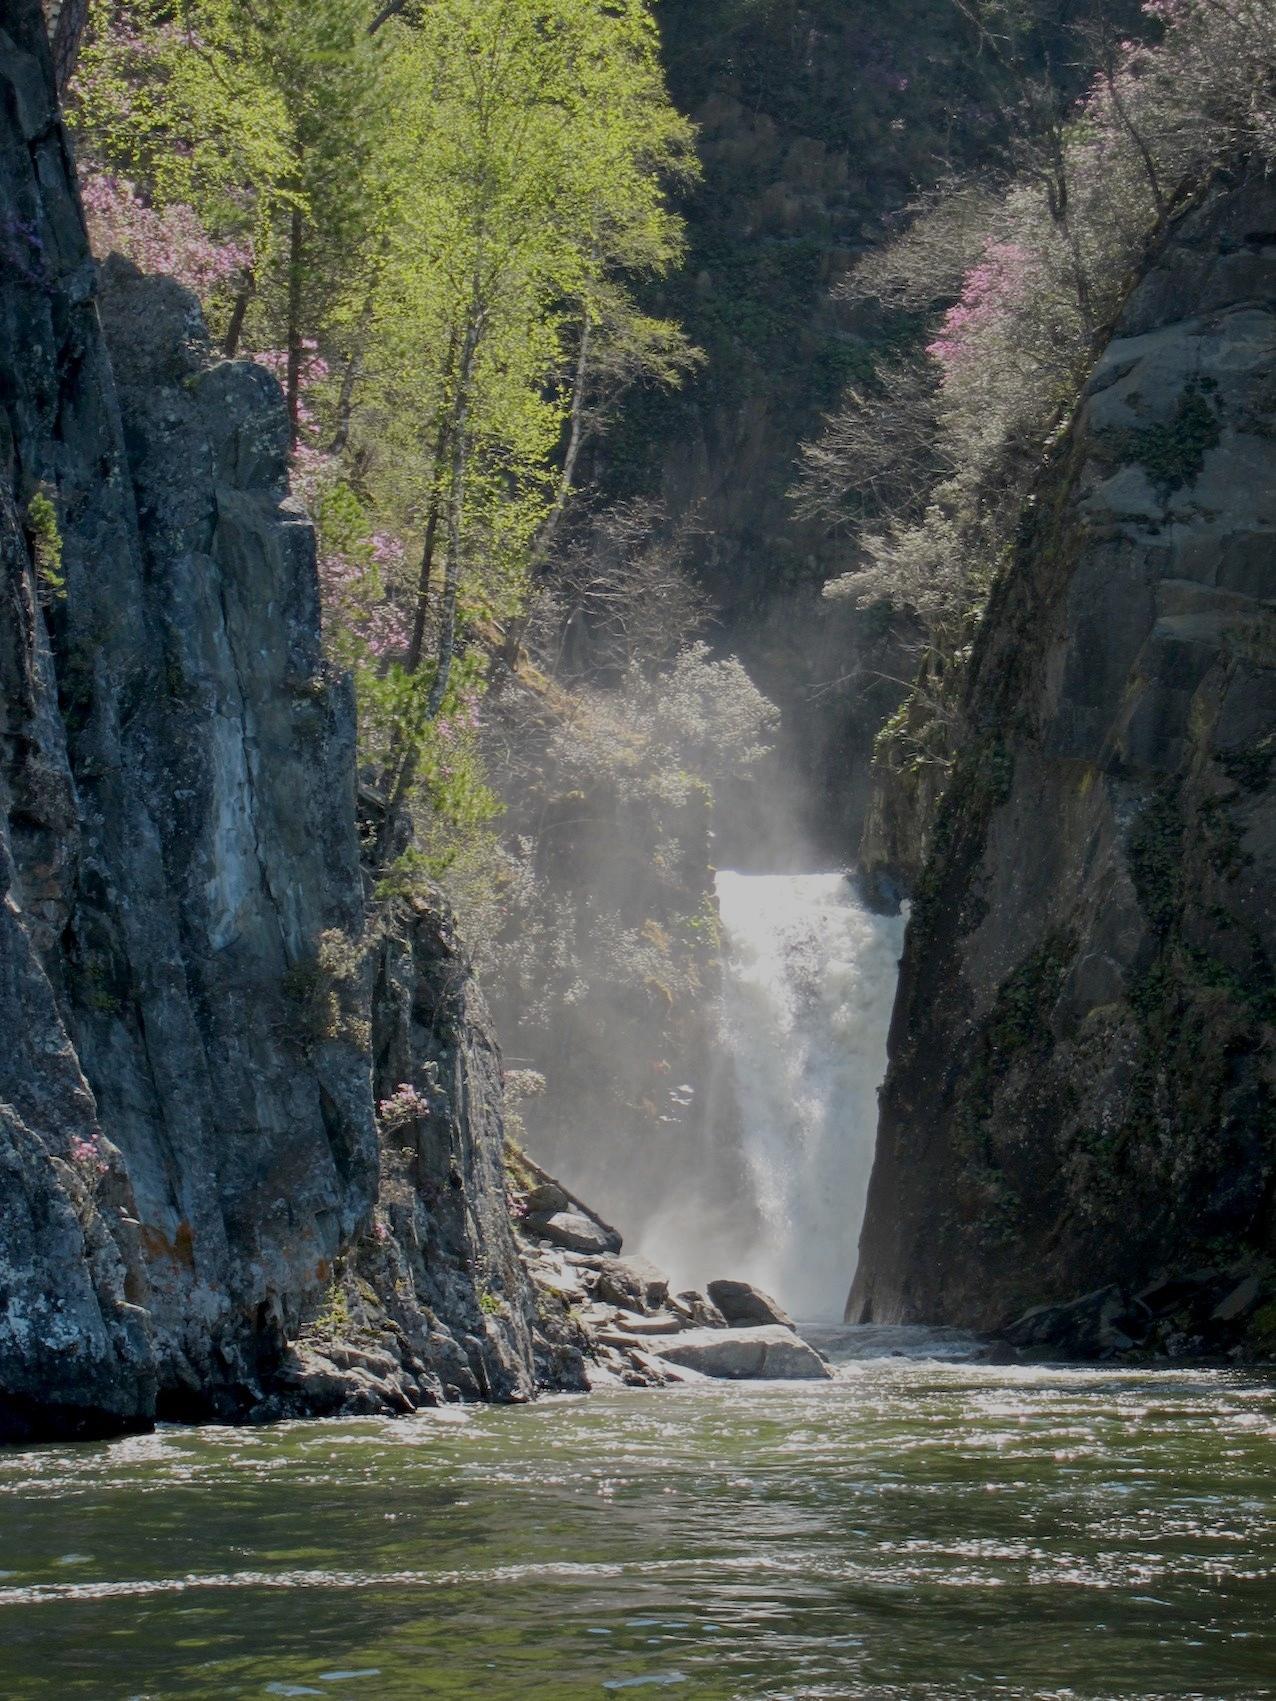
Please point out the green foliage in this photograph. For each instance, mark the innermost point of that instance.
(45, 538)
(1250, 766)
(1020, 1016)
(443, 220)
(178, 95)
(333, 1321)
(1156, 859)
(321, 993)
(933, 464)
(1172, 454)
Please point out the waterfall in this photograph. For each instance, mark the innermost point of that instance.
(809, 980)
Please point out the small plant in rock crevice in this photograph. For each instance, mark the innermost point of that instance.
(45, 537)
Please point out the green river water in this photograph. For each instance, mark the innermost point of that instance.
(919, 1527)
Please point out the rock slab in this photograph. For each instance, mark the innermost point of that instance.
(771, 1354)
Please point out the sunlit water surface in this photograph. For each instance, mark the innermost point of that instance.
(919, 1527)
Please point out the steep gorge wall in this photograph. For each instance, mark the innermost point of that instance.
(196, 1017)
(1081, 1078)
(819, 122)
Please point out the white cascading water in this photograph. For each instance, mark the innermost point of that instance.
(809, 980)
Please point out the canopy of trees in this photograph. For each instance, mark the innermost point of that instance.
(428, 218)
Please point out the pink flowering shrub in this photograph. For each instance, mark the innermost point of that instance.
(404, 1106)
(172, 240)
(314, 370)
(990, 292)
(358, 573)
(88, 1157)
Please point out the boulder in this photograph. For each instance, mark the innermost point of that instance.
(576, 1231)
(771, 1354)
(1098, 1325)
(544, 1200)
(695, 1308)
(747, 1307)
(627, 1327)
(632, 1283)
(1242, 1299)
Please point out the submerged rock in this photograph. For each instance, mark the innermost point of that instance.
(1098, 1325)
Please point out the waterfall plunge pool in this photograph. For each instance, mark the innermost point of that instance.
(918, 1528)
(921, 1527)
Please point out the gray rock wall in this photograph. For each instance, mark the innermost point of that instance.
(1081, 1079)
(198, 1009)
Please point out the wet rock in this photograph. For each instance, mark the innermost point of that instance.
(195, 1026)
(1242, 1299)
(1087, 969)
(662, 1371)
(1098, 1325)
(1000, 1352)
(747, 1307)
(773, 1353)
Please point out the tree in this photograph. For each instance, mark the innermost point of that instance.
(549, 141)
(436, 214)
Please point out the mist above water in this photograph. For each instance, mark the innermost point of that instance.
(809, 979)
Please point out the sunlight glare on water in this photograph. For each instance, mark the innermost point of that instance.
(916, 1528)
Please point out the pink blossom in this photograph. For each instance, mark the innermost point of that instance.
(172, 240)
(87, 1154)
(404, 1105)
(387, 550)
(989, 292)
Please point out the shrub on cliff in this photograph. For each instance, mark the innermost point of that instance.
(929, 466)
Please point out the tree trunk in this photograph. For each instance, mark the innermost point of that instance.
(1136, 136)
(68, 38)
(391, 9)
(457, 434)
(292, 388)
(416, 646)
(403, 763)
(238, 313)
(548, 528)
(353, 372)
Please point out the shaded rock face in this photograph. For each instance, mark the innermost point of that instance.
(1080, 1091)
(197, 1012)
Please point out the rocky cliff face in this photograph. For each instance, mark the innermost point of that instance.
(1080, 1091)
(197, 1012)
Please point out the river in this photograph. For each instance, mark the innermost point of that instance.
(919, 1527)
